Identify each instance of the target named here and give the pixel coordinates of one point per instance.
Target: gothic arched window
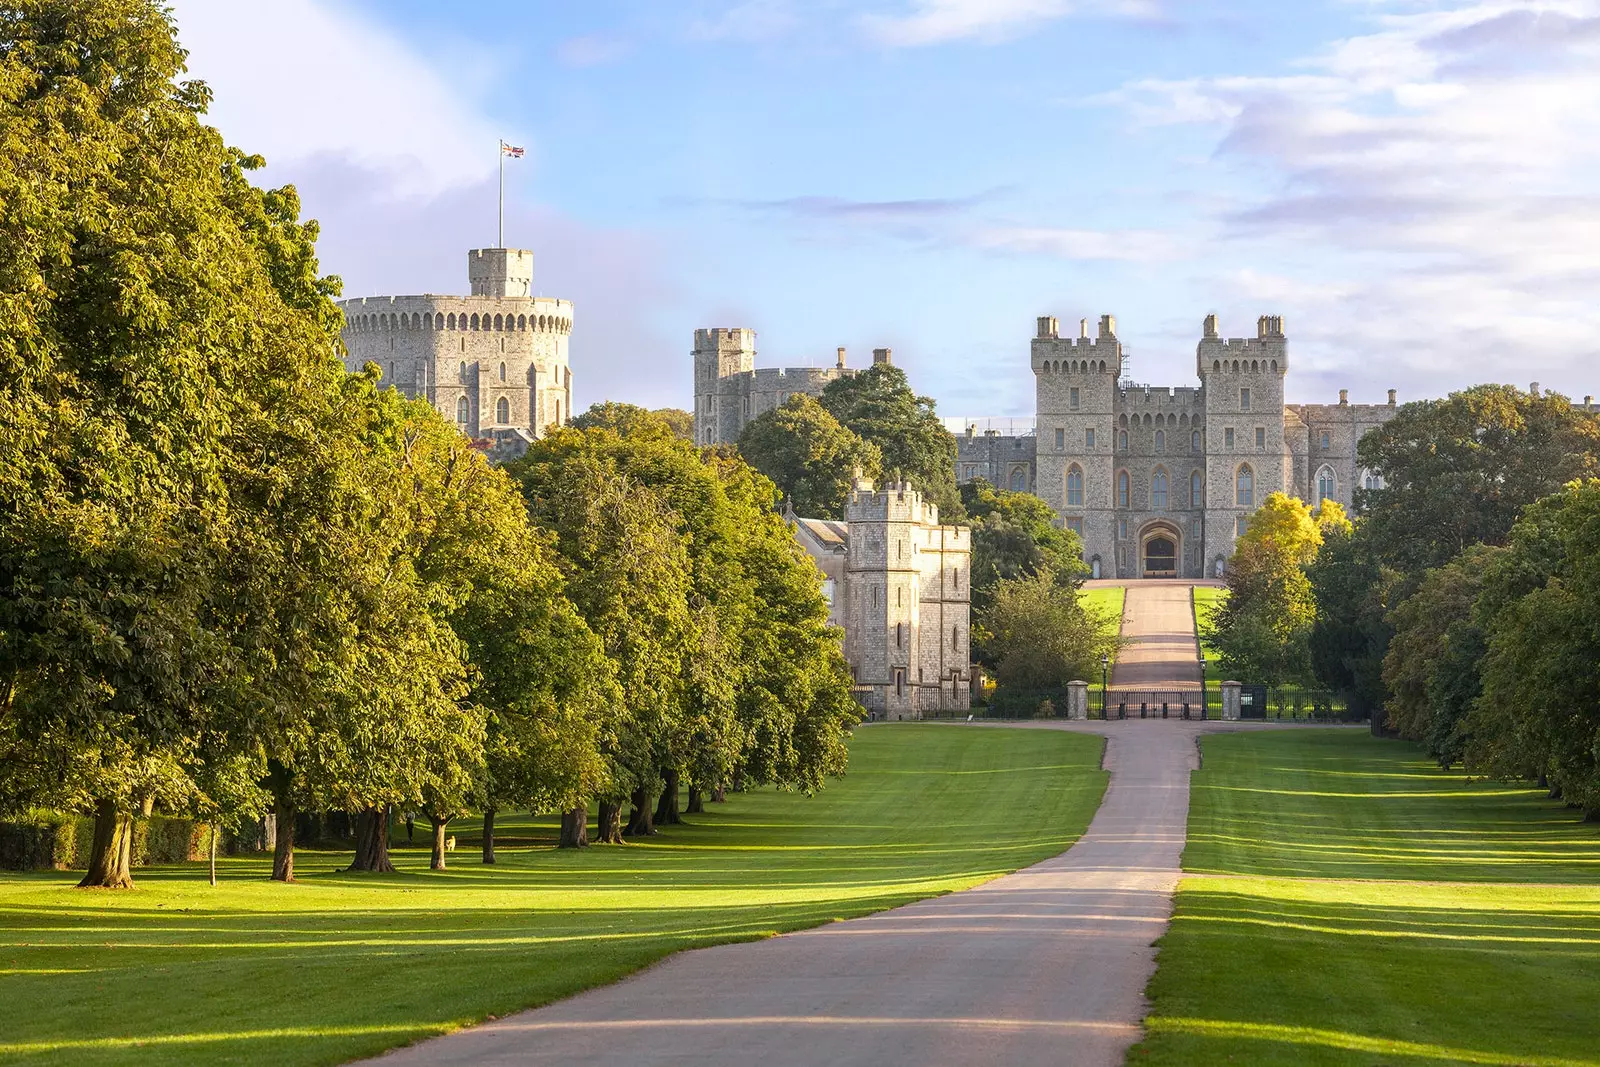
(1327, 485)
(1194, 441)
(1122, 440)
(1158, 490)
(502, 372)
(502, 411)
(1122, 489)
(1195, 490)
(461, 411)
(1075, 486)
(1019, 480)
(1244, 487)
(463, 370)
(1161, 440)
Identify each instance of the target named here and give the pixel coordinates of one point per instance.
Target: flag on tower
(511, 150)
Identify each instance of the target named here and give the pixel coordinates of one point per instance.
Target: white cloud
(296, 80)
(1434, 177)
(938, 21)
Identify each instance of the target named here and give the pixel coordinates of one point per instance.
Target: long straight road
(1158, 626)
(1045, 966)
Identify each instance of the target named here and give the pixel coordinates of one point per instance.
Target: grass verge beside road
(1364, 907)
(344, 965)
(1207, 599)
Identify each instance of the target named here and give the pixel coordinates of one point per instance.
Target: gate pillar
(1230, 700)
(1077, 700)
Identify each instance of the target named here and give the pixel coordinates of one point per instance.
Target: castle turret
(1247, 455)
(719, 353)
(1075, 380)
(500, 271)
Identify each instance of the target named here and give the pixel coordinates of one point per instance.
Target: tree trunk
(697, 801)
(436, 861)
(667, 806)
(372, 841)
(610, 826)
(111, 854)
(213, 853)
(639, 821)
(719, 795)
(283, 849)
(488, 835)
(575, 827)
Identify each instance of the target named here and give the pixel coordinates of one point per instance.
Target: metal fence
(1280, 704)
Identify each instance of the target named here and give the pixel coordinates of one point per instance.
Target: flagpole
(501, 152)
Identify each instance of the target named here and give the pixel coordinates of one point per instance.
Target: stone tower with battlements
(729, 390)
(495, 362)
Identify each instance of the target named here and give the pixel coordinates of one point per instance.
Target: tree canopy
(808, 455)
(878, 406)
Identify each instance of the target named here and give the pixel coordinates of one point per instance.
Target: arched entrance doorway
(1159, 546)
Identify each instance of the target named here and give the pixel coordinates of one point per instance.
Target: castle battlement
(1142, 396)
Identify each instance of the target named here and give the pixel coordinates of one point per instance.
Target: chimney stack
(1344, 397)
(840, 364)
(882, 355)
(1391, 398)
(1533, 388)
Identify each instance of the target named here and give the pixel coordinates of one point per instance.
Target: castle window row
(452, 321)
(1242, 366)
(1160, 440)
(1158, 420)
(1161, 493)
(1073, 366)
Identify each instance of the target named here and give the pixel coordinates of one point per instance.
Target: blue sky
(1412, 184)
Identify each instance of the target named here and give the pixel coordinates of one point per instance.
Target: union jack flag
(511, 150)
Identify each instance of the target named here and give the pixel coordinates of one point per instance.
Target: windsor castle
(1156, 481)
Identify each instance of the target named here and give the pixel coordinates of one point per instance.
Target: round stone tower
(495, 363)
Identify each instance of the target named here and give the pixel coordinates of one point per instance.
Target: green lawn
(1107, 600)
(1207, 599)
(344, 965)
(1364, 908)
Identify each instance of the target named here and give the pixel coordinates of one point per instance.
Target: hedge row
(53, 841)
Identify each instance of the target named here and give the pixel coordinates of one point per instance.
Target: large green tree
(878, 406)
(1459, 471)
(1432, 666)
(1351, 631)
(809, 456)
(1262, 630)
(1539, 711)
(1040, 635)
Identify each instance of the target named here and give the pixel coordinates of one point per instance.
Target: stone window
(1122, 440)
(1122, 489)
(1195, 500)
(1158, 490)
(1122, 529)
(955, 637)
(1261, 437)
(1072, 398)
(1244, 399)
(1076, 526)
(1161, 440)
(1074, 486)
(1194, 441)
(1088, 438)
(502, 372)
(1244, 487)
(502, 411)
(463, 370)
(461, 411)
(1019, 480)
(1327, 485)
(1240, 525)
(1061, 439)
(1227, 437)
(1324, 439)
(899, 635)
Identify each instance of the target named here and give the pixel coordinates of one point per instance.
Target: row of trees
(234, 578)
(1461, 609)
